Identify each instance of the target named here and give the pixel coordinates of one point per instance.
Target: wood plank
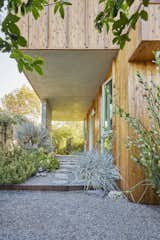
(76, 31)
(76, 23)
(24, 27)
(21, 187)
(38, 31)
(57, 30)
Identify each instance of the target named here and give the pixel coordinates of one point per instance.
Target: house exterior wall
(128, 94)
(76, 31)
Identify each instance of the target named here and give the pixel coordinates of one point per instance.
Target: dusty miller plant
(30, 136)
(97, 171)
(144, 143)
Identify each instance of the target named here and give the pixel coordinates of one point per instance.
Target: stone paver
(26, 215)
(65, 175)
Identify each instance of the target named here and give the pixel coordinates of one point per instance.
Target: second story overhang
(75, 31)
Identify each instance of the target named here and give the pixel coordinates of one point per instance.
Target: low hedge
(17, 164)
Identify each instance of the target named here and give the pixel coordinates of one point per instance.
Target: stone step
(67, 165)
(60, 175)
(64, 170)
(69, 161)
(75, 163)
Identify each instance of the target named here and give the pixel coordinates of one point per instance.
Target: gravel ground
(26, 215)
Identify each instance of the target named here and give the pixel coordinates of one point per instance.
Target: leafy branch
(116, 16)
(11, 40)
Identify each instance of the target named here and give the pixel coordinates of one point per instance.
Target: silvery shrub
(98, 171)
(31, 136)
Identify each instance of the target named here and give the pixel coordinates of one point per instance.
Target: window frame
(103, 101)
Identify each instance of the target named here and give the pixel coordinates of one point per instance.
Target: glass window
(108, 106)
(107, 116)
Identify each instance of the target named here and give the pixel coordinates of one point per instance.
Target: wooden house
(85, 75)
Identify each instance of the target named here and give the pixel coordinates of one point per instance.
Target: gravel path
(28, 215)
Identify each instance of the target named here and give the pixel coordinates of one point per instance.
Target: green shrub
(46, 160)
(68, 137)
(9, 119)
(18, 164)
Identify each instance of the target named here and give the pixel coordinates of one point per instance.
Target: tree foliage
(68, 131)
(116, 14)
(12, 40)
(22, 102)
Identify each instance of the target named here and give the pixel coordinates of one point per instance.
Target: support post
(46, 115)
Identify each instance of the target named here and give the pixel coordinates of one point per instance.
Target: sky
(10, 78)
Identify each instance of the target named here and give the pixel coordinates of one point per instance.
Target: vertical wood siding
(76, 31)
(128, 94)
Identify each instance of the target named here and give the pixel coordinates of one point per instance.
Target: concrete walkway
(26, 215)
(65, 175)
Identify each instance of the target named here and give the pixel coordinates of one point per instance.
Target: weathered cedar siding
(128, 94)
(76, 31)
(146, 38)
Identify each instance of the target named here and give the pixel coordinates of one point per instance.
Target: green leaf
(35, 13)
(16, 54)
(107, 26)
(56, 8)
(23, 9)
(130, 2)
(134, 19)
(22, 41)
(39, 61)
(61, 10)
(38, 69)
(1, 4)
(145, 3)
(20, 66)
(67, 3)
(144, 15)
(14, 29)
(115, 40)
(13, 18)
(28, 58)
(28, 66)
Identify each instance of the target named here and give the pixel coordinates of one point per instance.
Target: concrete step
(64, 170)
(67, 165)
(72, 163)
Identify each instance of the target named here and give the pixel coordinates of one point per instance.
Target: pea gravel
(27, 215)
